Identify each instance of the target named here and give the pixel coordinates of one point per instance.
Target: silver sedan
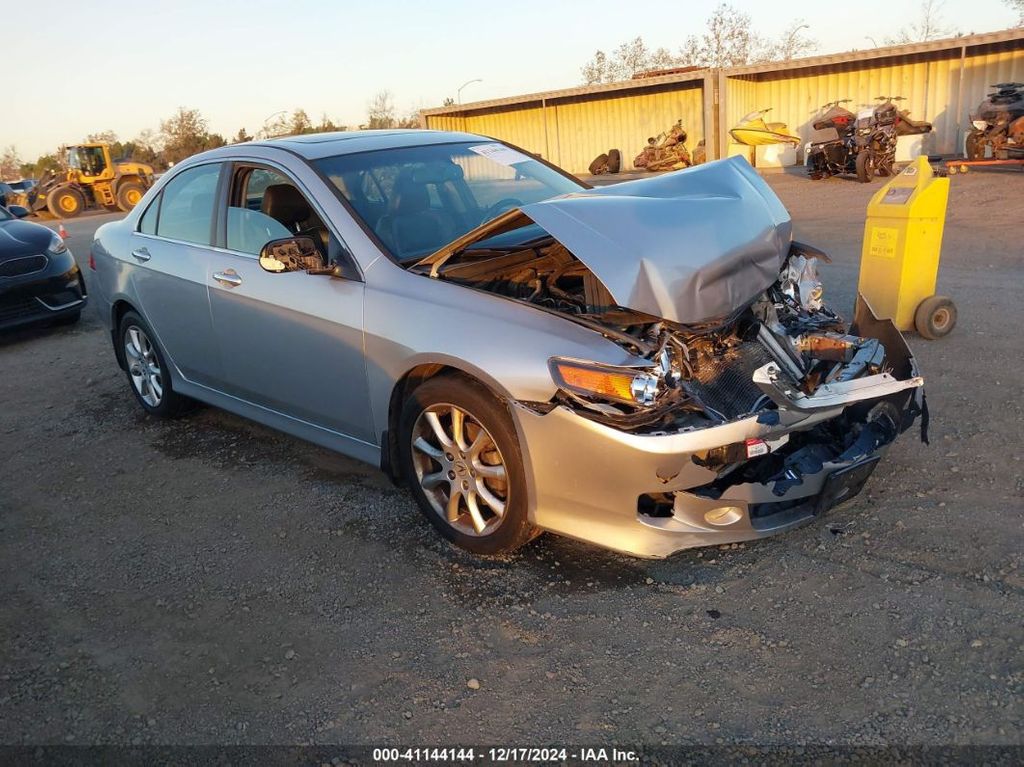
(648, 367)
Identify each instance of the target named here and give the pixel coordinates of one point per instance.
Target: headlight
(634, 387)
(56, 246)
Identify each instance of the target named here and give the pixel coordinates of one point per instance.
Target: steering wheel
(502, 205)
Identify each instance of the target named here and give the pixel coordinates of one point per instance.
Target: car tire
(599, 166)
(476, 455)
(865, 166)
(935, 317)
(65, 202)
(152, 388)
(129, 194)
(614, 160)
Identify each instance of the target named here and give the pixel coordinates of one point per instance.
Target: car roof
(314, 146)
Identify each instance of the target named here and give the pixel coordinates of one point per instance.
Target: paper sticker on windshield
(499, 153)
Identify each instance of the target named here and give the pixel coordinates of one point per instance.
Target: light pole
(458, 93)
(869, 37)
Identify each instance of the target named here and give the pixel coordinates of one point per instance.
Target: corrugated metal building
(942, 80)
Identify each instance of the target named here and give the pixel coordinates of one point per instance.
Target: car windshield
(418, 199)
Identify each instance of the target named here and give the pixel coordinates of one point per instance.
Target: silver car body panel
(346, 344)
(686, 246)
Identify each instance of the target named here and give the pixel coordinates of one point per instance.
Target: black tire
(614, 160)
(935, 317)
(171, 404)
(514, 529)
(974, 146)
(865, 166)
(129, 194)
(599, 165)
(65, 202)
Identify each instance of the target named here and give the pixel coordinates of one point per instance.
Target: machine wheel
(935, 317)
(865, 166)
(129, 194)
(974, 146)
(599, 165)
(461, 458)
(614, 160)
(65, 202)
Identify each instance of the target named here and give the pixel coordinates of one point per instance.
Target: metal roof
(1011, 36)
(583, 90)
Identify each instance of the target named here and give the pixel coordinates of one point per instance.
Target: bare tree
(728, 41)
(103, 137)
(1018, 6)
(380, 112)
(10, 164)
(629, 59)
(929, 26)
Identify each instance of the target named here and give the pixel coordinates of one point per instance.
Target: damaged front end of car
(748, 407)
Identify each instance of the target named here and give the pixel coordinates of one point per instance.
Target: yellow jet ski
(754, 131)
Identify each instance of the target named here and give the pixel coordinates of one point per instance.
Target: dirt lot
(211, 581)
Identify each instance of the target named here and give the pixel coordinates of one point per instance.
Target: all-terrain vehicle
(998, 124)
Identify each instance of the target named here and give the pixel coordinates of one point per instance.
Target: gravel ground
(210, 581)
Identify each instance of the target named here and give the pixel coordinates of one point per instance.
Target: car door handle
(229, 278)
(141, 254)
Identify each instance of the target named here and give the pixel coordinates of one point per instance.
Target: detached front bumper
(653, 495)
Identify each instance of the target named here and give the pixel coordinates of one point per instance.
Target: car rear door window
(186, 210)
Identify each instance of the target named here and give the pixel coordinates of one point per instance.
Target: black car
(39, 279)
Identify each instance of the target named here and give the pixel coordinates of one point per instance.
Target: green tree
(185, 133)
(300, 123)
(241, 137)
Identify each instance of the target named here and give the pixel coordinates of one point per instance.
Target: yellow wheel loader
(90, 179)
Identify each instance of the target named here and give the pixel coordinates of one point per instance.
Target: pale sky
(84, 66)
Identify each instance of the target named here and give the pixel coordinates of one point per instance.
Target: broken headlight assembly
(625, 385)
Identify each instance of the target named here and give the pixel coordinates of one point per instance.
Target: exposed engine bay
(698, 375)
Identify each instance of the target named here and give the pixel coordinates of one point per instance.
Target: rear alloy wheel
(66, 202)
(147, 372)
(129, 194)
(462, 460)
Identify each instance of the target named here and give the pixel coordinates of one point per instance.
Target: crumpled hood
(22, 238)
(687, 246)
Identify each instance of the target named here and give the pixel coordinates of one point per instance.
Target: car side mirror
(18, 211)
(292, 254)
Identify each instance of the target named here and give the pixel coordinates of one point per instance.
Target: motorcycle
(665, 152)
(998, 124)
(863, 144)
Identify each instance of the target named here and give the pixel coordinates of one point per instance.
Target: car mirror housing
(18, 211)
(291, 254)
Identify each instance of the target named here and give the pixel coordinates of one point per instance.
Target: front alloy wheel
(460, 469)
(459, 454)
